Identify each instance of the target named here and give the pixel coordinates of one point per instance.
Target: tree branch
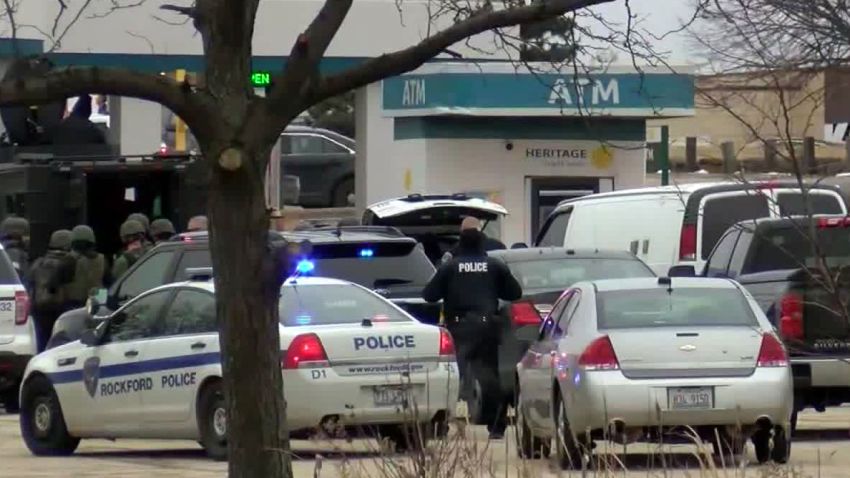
(308, 50)
(402, 61)
(62, 83)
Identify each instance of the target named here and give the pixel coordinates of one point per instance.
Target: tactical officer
(90, 270)
(197, 223)
(15, 238)
(144, 221)
(133, 235)
(470, 285)
(162, 230)
(50, 276)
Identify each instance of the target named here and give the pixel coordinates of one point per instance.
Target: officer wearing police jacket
(470, 285)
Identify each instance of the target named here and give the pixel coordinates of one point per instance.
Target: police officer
(15, 237)
(470, 285)
(196, 224)
(50, 276)
(488, 243)
(90, 270)
(162, 230)
(134, 237)
(143, 220)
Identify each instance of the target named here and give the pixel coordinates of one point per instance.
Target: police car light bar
(365, 253)
(305, 266)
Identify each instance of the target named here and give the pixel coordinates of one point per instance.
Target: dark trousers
(44, 321)
(477, 350)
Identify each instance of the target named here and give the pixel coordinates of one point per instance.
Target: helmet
(60, 239)
(14, 226)
(197, 223)
(131, 228)
(161, 227)
(82, 233)
(141, 219)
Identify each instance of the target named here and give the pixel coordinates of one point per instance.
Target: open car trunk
(434, 221)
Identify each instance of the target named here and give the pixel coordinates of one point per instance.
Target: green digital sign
(261, 79)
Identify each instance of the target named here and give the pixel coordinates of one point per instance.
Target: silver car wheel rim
(220, 422)
(42, 416)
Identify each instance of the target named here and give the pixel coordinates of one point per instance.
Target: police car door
(185, 351)
(108, 400)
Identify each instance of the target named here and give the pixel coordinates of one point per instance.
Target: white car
(17, 333)
(629, 359)
(152, 370)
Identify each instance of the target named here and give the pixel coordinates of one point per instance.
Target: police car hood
(433, 213)
(379, 343)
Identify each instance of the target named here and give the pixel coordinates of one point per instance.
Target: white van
(673, 225)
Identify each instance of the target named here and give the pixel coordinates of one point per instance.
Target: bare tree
(236, 130)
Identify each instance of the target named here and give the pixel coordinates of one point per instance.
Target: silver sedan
(646, 359)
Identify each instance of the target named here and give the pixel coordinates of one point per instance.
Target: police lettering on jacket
(472, 266)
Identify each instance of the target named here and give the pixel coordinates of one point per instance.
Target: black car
(544, 274)
(379, 258)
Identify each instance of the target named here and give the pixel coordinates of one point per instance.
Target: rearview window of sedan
(333, 304)
(562, 273)
(684, 307)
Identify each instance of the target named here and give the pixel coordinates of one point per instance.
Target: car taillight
(447, 345)
(599, 355)
(688, 243)
(825, 222)
(772, 353)
(306, 350)
(22, 307)
(524, 313)
(791, 316)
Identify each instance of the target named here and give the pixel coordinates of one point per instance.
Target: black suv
(379, 258)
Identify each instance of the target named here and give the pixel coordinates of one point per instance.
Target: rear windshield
(375, 266)
(333, 304)
(721, 213)
(790, 248)
(8, 276)
(683, 307)
(558, 274)
(791, 204)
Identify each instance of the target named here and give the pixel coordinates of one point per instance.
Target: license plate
(390, 396)
(690, 398)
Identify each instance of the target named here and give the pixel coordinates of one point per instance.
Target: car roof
(783, 222)
(546, 253)
(606, 285)
(324, 235)
(688, 189)
(417, 202)
(208, 285)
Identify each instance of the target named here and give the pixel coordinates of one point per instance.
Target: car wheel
(42, 423)
(781, 446)
(341, 193)
(212, 421)
(761, 443)
(529, 446)
(569, 452)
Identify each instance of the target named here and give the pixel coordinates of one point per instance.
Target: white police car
(152, 370)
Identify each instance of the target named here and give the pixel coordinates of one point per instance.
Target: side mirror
(682, 271)
(94, 336)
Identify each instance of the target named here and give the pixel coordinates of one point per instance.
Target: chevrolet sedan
(648, 359)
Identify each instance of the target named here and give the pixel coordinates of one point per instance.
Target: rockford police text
(125, 386)
(385, 342)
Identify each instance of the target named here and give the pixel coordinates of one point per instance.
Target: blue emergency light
(366, 253)
(305, 266)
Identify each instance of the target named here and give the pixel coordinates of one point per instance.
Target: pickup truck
(803, 287)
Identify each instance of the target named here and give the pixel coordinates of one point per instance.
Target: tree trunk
(247, 290)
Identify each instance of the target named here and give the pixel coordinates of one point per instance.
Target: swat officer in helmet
(133, 235)
(15, 238)
(470, 285)
(50, 276)
(90, 271)
(143, 220)
(162, 230)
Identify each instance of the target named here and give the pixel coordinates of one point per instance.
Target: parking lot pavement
(822, 449)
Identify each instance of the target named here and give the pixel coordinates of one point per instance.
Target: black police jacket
(472, 283)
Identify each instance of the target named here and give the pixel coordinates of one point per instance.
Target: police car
(152, 369)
